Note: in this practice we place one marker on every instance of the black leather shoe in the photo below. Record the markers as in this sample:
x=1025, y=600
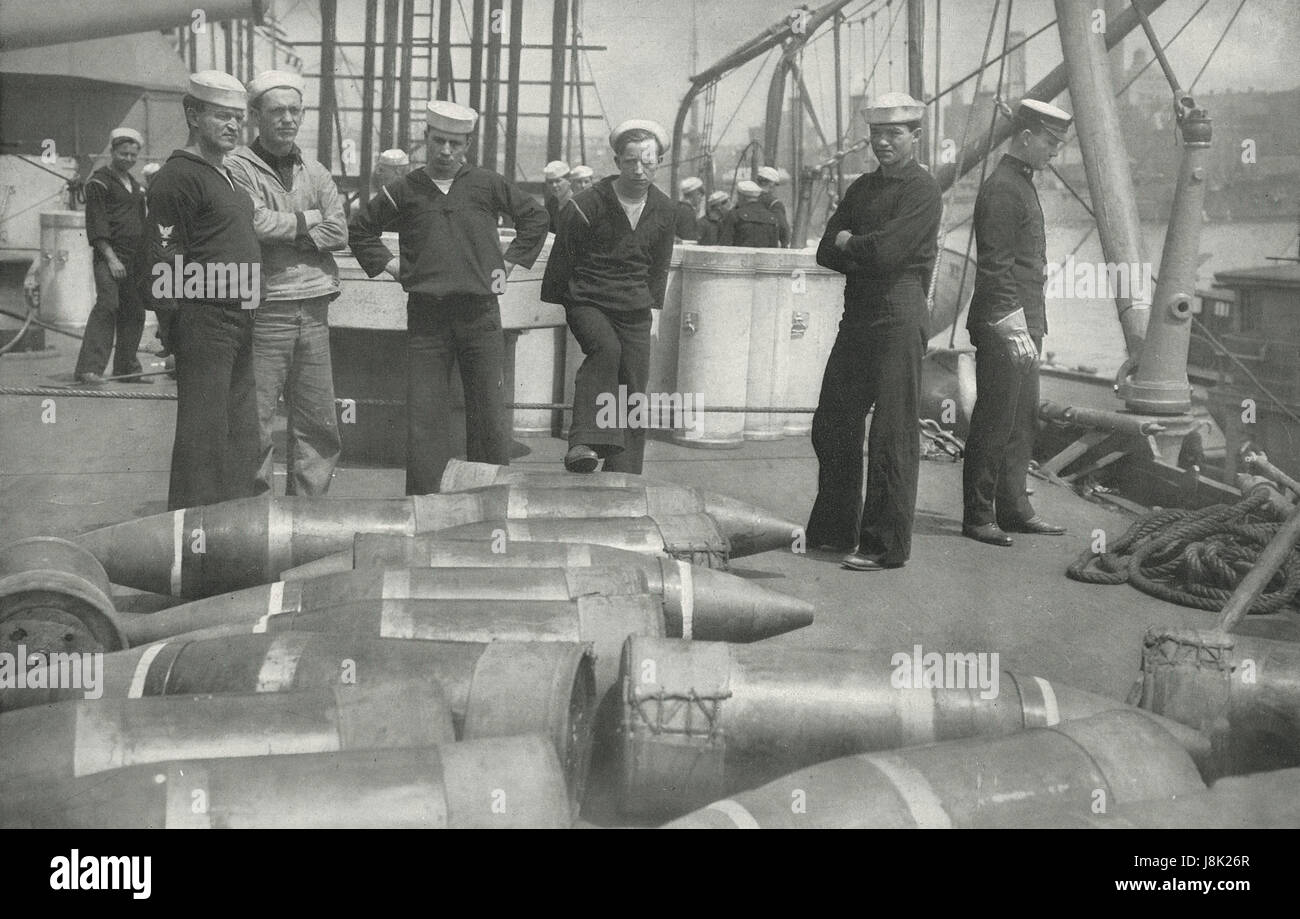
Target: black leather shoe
x=986, y=532
x=1036, y=525
x=581, y=458
x=856, y=561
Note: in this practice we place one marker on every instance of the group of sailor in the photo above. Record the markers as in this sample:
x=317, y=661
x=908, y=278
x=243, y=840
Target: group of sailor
x=268, y=207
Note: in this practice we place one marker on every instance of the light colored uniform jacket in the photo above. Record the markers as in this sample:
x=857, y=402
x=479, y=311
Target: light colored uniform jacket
x=291, y=268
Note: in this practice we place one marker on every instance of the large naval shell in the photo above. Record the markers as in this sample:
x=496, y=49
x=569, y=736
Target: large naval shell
x=603, y=622
x=201, y=551
x=709, y=604
x=500, y=782
x=493, y=689
x=1242, y=691
x=1265, y=800
x=750, y=528
x=1100, y=762
x=701, y=720
x=67, y=739
x=55, y=598
x=251, y=604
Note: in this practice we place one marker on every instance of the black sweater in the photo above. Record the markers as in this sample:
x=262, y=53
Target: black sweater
x=599, y=260
x=197, y=213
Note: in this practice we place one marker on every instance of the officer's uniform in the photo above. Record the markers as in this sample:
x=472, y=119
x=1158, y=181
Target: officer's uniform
x=115, y=213
x=751, y=222
x=1011, y=248
x=876, y=359
x=198, y=216
x=453, y=270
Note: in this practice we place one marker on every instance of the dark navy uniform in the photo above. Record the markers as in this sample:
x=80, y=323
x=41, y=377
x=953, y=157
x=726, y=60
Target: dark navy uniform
x=609, y=275
x=777, y=207
x=453, y=270
x=750, y=223
x=115, y=215
x=1011, y=248
x=876, y=361
x=684, y=220
x=198, y=217
x=710, y=230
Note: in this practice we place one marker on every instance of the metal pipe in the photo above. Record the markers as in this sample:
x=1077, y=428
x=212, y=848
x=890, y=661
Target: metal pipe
x=916, y=63
x=445, y=88
x=388, y=75
x=512, y=88
x=496, y=10
x=327, y=112
x=1110, y=181
x=559, y=38
x=368, y=94
x=476, y=73
x=37, y=23
x=404, y=86
x=1268, y=563
x=1155, y=380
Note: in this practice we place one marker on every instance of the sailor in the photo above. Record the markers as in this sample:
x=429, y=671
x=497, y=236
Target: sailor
x=768, y=179
x=148, y=172
x=711, y=225
x=580, y=178
x=1007, y=322
x=391, y=165
x=609, y=269
x=750, y=222
x=452, y=268
x=688, y=208
x=199, y=219
x=558, y=191
x=299, y=219
x=115, y=220
x=883, y=239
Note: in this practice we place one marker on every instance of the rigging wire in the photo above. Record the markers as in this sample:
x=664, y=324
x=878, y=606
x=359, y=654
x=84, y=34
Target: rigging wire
x=970, y=118
x=1216, y=46
x=1165, y=47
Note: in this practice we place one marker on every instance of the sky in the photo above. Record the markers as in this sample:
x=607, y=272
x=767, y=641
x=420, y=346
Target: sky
x=643, y=71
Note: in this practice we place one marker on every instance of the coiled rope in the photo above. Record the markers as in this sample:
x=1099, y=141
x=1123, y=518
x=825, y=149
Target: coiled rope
x=1195, y=557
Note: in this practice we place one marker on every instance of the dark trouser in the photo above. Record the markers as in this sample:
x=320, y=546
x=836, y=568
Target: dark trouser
x=1001, y=440
x=617, y=348
x=118, y=311
x=446, y=331
x=876, y=361
x=215, y=454
x=291, y=355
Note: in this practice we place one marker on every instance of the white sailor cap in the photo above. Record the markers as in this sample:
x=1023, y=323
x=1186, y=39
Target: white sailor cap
x=642, y=124
x=747, y=189
x=217, y=88
x=268, y=80
x=555, y=169
x=688, y=185
x=769, y=174
x=393, y=157
x=1051, y=119
x=719, y=197
x=150, y=169
x=894, y=108
x=581, y=172
x=450, y=118
x=117, y=135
